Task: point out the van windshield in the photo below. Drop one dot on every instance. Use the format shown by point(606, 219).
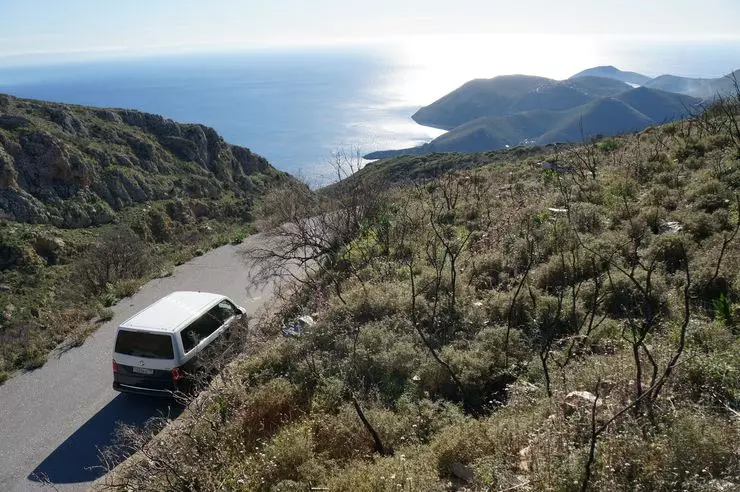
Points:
point(140, 344)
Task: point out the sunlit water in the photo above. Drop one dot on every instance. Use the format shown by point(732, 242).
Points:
point(296, 107)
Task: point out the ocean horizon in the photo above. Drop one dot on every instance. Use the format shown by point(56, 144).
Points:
point(298, 106)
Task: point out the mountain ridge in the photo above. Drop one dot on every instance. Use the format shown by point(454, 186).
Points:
point(75, 166)
point(612, 72)
point(488, 114)
point(630, 110)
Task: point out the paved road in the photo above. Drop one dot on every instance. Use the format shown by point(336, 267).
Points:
point(53, 420)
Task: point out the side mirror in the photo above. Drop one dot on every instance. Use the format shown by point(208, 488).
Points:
point(242, 310)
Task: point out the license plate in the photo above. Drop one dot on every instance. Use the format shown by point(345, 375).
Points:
point(143, 370)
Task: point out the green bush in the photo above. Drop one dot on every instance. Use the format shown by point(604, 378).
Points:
point(105, 314)
point(386, 355)
point(713, 377)
point(402, 472)
point(160, 225)
point(698, 445)
point(376, 302)
point(340, 436)
point(289, 455)
point(700, 225)
point(498, 305)
point(463, 443)
point(711, 195)
point(609, 145)
point(691, 148)
point(587, 217)
point(671, 251)
point(34, 359)
point(267, 407)
point(722, 309)
point(239, 237)
point(487, 272)
point(623, 299)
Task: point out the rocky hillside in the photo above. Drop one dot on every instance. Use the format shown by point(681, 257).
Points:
point(73, 166)
point(105, 199)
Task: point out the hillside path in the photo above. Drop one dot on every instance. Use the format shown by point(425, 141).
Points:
point(54, 419)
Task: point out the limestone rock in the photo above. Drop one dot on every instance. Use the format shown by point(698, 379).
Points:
point(12, 122)
point(525, 459)
point(68, 121)
point(50, 248)
point(22, 207)
point(73, 166)
point(576, 400)
point(108, 115)
point(8, 174)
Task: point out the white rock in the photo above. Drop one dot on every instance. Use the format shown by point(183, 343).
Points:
point(579, 399)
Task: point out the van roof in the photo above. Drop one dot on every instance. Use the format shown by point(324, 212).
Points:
point(172, 311)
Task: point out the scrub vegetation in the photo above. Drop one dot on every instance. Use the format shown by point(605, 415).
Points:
point(513, 326)
point(94, 202)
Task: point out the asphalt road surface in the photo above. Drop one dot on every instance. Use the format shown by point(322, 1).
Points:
point(53, 420)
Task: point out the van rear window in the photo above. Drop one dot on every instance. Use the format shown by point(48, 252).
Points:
point(139, 344)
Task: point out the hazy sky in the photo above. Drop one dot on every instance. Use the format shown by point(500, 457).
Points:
point(43, 26)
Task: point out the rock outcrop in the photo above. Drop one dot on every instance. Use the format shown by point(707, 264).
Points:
point(73, 166)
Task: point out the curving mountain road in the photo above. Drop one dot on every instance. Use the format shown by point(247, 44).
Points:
point(54, 419)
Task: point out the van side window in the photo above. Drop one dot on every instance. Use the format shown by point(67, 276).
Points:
point(204, 326)
point(190, 338)
point(225, 310)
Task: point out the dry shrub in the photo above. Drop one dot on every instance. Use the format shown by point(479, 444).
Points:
point(266, 408)
point(587, 217)
point(341, 436)
point(405, 472)
point(487, 271)
point(693, 448)
point(463, 444)
point(120, 255)
point(498, 304)
point(275, 358)
point(289, 457)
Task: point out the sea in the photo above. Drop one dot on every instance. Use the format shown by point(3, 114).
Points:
point(299, 106)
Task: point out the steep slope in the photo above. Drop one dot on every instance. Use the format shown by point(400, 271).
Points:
point(93, 202)
point(567, 94)
point(696, 87)
point(630, 110)
point(554, 97)
point(659, 105)
point(476, 99)
point(611, 72)
point(510, 94)
point(74, 166)
point(608, 116)
point(525, 378)
point(597, 86)
point(497, 132)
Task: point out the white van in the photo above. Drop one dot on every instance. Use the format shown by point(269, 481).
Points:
point(157, 347)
